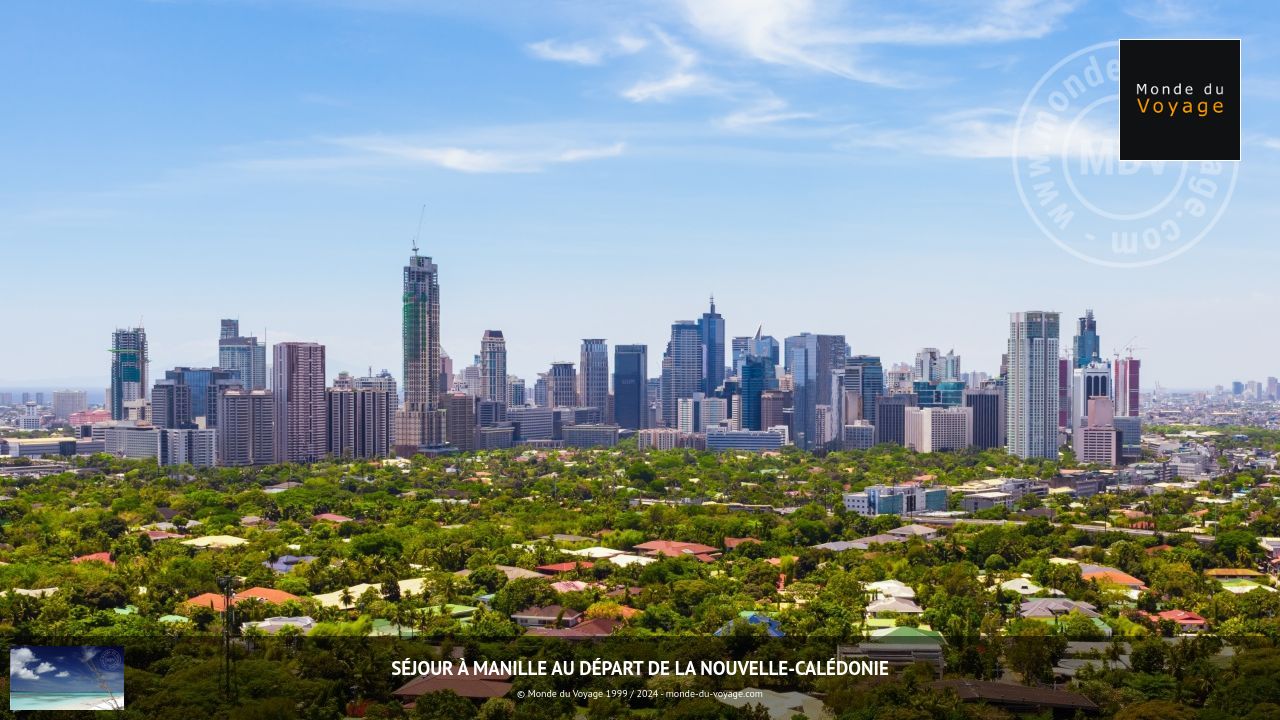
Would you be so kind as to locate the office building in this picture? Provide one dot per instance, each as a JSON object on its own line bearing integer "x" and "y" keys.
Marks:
{"x": 1128, "y": 386}
{"x": 630, "y": 386}
{"x": 128, "y": 369}
{"x": 516, "y": 392}
{"x": 895, "y": 500}
{"x": 1130, "y": 437}
{"x": 1097, "y": 440}
{"x": 891, "y": 418}
{"x": 775, "y": 408}
{"x": 188, "y": 446}
{"x": 202, "y": 382}
{"x": 246, "y": 427}
{"x": 1065, "y": 369}
{"x": 68, "y": 402}
{"x": 810, "y": 360}
{"x": 532, "y": 423}
{"x": 928, "y": 368}
{"x": 753, "y": 381}
{"x": 298, "y": 389}
{"x": 861, "y": 435}
{"x": 1087, "y": 346}
{"x": 562, "y": 385}
{"x": 681, "y": 368}
{"x": 739, "y": 349}
{"x": 497, "y": 437}
{"x": 593, "y": 375}
{"x": 865, "y": 375}
{"x": 722, "y": 439}
{"x": 988, "y": 406}
{"x": 171, "y": 405}
{"x": 418, "y": 424}
{"x": 340, "y": 418}
{"x": 460, "y": 421}
{"x": 493, "y": 368}
{"x": 711, "y": 338}
{"x": 591, "y": 435}
{"x": 1032, "y": 385}
{"x": 938, "y": 429}
{"x": 131, "y": 440}
{"x": 1087, "y": 382}
{"x": 244, "y": 356}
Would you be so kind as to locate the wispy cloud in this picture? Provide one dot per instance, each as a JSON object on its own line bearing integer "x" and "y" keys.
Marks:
{"x": 1164, "y": 12}
{"x": 478, "y": 160}
{"x": 986, "y": 133}
{"x": 681, "y": 79}
{"x": 768, "y": 110}
{"x": 587, "y": 52}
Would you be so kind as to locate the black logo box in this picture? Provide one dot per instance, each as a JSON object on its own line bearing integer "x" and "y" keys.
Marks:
{"x": 1187, "y": 68}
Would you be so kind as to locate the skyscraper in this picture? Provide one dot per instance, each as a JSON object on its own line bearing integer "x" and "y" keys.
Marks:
{"x": 245, "y": 434}
{"x": 562, "y": 382}
{"x": 681, "y": 368}
{"x": 493, "y": 367}
{"x": 300, "y": 409}
{"x": 171, "y": 405}
{"x": 460, "y": 421}
{"x": 68, "y": 402}
{"x": 753, "y": 381}
{"x": 1088, "y": 382}
{"x": 711, "y": 338}
{"x": 593, "y": 374}
{"x": 1128, "y": 387}
{"x": 360, "y": 416}
{"x": 871, "y": 376}
{"x": 891, "y": 418}
{"x": 128, "y": 369}
{"x": 417, "y": 423}
{"x": 811, "y": 359}
{"x": 988, "y": 406}
{"x": 928, "y": 368}
{"x": 203, "y": 383}
{"x": 1032, "y": 386}
{"x": 630, "y": 386}
{"x": 242, "y": 355}
{"x": 1086, "y": 347}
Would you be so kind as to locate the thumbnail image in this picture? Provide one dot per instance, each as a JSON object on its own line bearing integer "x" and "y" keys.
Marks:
{"x": 66, "y": 678}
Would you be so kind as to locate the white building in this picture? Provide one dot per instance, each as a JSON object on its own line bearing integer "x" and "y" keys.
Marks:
{"x": 937, "y": 429}
{"x": 1032, "y": 384}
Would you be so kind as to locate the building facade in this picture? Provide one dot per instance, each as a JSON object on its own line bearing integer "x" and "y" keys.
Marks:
{"x": 418, "y": 424}
{"x": 128, "y": 369}
{"x": 298, "y": 389}
{"x": 1032, "y": 385}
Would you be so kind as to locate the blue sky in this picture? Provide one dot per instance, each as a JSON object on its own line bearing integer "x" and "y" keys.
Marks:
{"x": 589, "y": 170}
{"x": 67, "y": 669}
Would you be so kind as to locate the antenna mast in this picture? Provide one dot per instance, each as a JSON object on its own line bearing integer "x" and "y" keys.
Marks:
{"x": 418, "y": 234}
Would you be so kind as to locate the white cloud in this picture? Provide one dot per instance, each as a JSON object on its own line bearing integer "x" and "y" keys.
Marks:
{"x": 989, "y": 133}
{"x": 587, "y": 53}
{"x": 470, "y": 160}
{"x": 680, "y": 80}
{"x": 63, "y": 673}
{"x": 766, "y": 111}
{"x": 44, "y": 667}
{"x": 19, "y": 661}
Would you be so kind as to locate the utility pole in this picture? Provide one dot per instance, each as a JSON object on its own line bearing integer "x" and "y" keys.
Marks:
{"x": 227, "y": 584}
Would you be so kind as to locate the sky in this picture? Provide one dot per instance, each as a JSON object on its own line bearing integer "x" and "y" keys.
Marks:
{"x": 592, "y": 169}
{"x": 67, "y": 669}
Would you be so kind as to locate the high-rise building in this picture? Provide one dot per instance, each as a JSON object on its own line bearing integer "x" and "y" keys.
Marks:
{"x": 988, "y": 406}
{"x": 171, "y": 405}
{"x": 593, "y": 375}
{"x": 246, "y": 427}
{"x": 493, "y": 367}
{"x": 361, "y": 415}
{"x": 1096, "y": 440}
{"x": 1086, "y": 347}
{"x": 562, "y": 382}
{"x": 811, "y": 359}
{"x": 949, "y": 366}
{"x": 938, "y": 429}
{"x": 68, "y": 402}
{"x": 753, "y": 382}
{"x": 1128, "y": 386}
{"x": 1032, "y": 386}
{"x": 630, "y": 386}
{"x": 891, "y": 418}
{"x": 298, "y": 379}
{"x": 417, "y": 423}
{"x": 340, "y": 418}
{"x": 774, "y": 407}
{"x": 681, "y": 368}
{"x": 460, "y": 421}
{"x": 869, "y": 376}
{"x": 202, "y": 382}
{"x": 187, "y": 446}
{"x": 128, "y": 369}
{"x": 739, "y": 348}
{"x": 243, "y": 355}
{"x": 711, "y": 338}
{"x": 1087, "y": 382}
{"x": 516, "y": 392}
{"x": 928, "y": 368}
{"x": 1065, "y": 367}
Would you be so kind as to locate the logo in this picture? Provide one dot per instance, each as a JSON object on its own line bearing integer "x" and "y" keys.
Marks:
{"x": 1097, "y": 207}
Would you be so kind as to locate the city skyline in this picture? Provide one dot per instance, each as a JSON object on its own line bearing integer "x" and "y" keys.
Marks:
{"x": 655, "y": 157}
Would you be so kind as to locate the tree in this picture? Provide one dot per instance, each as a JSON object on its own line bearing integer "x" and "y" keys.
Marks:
{"x": 443, "y": 705}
